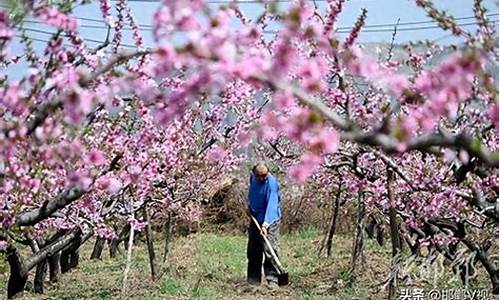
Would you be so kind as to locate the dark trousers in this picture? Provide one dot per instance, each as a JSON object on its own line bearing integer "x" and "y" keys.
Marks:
{"x": 256, "y": 249}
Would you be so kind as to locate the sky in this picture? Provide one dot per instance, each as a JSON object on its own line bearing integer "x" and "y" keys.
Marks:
{"x": 380, "y": 12}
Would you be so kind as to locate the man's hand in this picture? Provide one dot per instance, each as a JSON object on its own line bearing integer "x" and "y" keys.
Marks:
{"x": 263, "y": 229}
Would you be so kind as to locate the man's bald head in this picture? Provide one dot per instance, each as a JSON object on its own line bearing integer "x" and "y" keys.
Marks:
{"x": 260, "y": 171}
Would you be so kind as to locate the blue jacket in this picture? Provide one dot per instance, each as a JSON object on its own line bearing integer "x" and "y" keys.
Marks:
{"x": 264, "y": 199}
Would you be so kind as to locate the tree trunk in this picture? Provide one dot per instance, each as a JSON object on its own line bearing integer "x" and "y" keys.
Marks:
{"x": 115, "y": 243}
{"x": 113, "y": 247}
{"x": 41, "y": 271}
{"x": 149, "y": 240}
{"x": 98, "y": 247}
{"x": 17, "y": 277}
{"x": 64, "y": 261}
{"x": 74, "y": 259}
{"x": 70, "y": 256}
{"x": 487, "y": 264}
{"x": 41, "y": 267}
{"x": 395, "y": 239}
{"x": 129, "y": 259}
{"x": 333, "y": 223}
{"x": 357, "y": 248}
{"x": 54, "y": 267}
{"x": 19, "y": 268}
{"x": 296, "y": 212}
{"x": 167, "y": 232}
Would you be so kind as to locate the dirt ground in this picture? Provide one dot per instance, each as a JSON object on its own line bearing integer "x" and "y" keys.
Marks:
{"x": 209, "y": 265}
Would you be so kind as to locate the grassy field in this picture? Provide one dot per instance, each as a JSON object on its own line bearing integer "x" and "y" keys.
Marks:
{"x": 212, "y": 266}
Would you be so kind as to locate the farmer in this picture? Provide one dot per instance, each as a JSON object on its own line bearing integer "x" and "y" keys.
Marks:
{"x": 263, "y": 204}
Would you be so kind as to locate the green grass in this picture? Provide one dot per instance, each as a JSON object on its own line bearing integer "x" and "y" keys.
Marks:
{"x": 170, "y": 286}
{"x": 230, "y": 252}
{"x": 210, "y": 266}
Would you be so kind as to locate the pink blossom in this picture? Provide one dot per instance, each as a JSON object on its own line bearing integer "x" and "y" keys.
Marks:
{"x": 105, "y": 232}
{"x": 5, "y": 30}
{"x": 208, "y": 70}
{"x": 33, "y": 75}
{"x": 326, "y": 141}
{"x": 68, "y": 150}
{"x": 105, "y": 7}
{"x": 353, "y": 35}
{"x": 299, "y": 13}
{"x": 312, "y": 73}
{"x": 334, "y": 8}
{"x": 11, "y": 98}
{"x": 30, "y": 184}
{"x": 79, "y": 180}
{"x": 134, "y": 172}
{"x": 283, "y": 100}
{"x": 136, "y": 224}
{"x": 493, "y": 114}
{"x": 244, "y": 138}
{"x": 66, "y": 78}
{"x": 252, "y": 64}
{"x": 284, "y": 56}
{"x": 309, "y": 162}
{"x": 217, "y": 153}
{"x": 96, "y": 157}
{"x": 463, "y": 156}
{"x": 3, "y": 245}
{"x": 271, "y": 119}
{"x": 53, "y": 17}
{"x": 268, "y": 133}
{"x": 362, "y": 65}
{"x": 445, "y": 87}
{"x": 110, "y": 184}
{"x": 78, "y": 104}
{"x": 163, "y": 60}
{"x": 449, "y": 155}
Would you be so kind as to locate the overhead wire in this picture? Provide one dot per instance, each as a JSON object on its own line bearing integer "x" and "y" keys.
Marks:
{"x": 101, "y": 21}
{"x": 228, "y": 1}
{"x": 344, "y": 29}
{"x": 133, "y": 46}
{"x": 35, "y": 30}
{"x": 45, "y": 41}
{"x": 398, "y": 29}
{"x": 86, "y": 39}
{"x": 144, "y": 26}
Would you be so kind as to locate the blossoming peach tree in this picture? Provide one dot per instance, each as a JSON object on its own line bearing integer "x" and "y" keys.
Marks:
{"x": 91, "y": 136}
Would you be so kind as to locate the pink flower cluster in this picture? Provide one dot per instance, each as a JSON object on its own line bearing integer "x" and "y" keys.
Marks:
{"x": 493, "y": 114}
{"x": 3, "y": 245}
{"x": 215, "y": 74}
{"x": 176, "y": 15}
{"x": 136, "y": 224}
{"x": 353, "y": 35}
{"x": 53, "y": 17}
{"x": 368, "y": 68}
{"x": 312, "y": 74}
{"x": 444, "y": 88}
{"x": 95, "y": 157}
{"x": 105, "y": 6}
{"x": 79, "y": 180}
{"x": 334, "y": 8}
{"x": 105, "y": 232}
{"x": 217, "y": 153}
{"x": 78, "y": 104}
{"x": 11, "y": 99}
{"x": 309, "y": 162}
{"x": 5, "y": 30}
